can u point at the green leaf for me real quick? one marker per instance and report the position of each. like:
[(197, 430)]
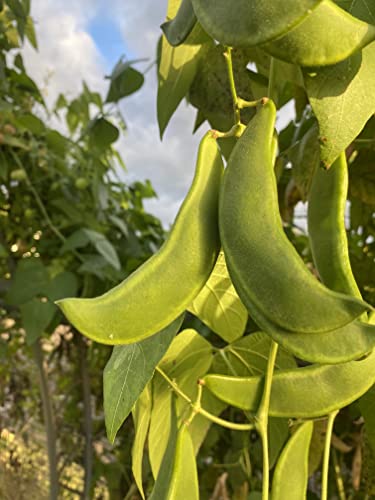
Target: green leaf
[(188, 358), (65, 284), (102, 134), (127, 373), (305, 158), (178, 29), (161, 487), (141, 417), (176, 71), (291, 473), (30, 279), (31, 123), (278, 432), (30, 32), (36, 315), (178, 476), (125, 80), (219, 306), (343, 99), (248, 356), (78, 239), (104, 247)]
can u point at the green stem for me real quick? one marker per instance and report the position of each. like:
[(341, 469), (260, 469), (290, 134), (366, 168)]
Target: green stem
[(327, 447), (271, 80), (339, 480), (48, 421), (261, 418), (198, 409), (232, 85)]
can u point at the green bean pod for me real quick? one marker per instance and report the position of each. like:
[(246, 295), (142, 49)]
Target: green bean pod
[(329, 35), (250, 22), (292, 468), (164, 286), (267, 272), (326, 226), (307, 392), (179, 28)]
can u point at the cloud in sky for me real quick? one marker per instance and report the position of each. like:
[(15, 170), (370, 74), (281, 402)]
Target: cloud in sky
[(83, 40)]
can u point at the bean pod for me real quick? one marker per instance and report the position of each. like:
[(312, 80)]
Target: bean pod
[(162, 288), (267, 272), (312, 391)]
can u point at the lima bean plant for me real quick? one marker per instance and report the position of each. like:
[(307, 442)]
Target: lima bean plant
[(316, 325)]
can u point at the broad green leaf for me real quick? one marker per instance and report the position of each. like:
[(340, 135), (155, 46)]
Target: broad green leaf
[(30, 279), (61, 286), (141, 417), (179, 28), (305, 158), (210, 91), (178, 478), (104, 247), (36, 315), (30, 32), (176, 71), (164, 478), (327, 37), (248, 356), (188, 358), (78, 239), (32, 123), (363, 9), (219, 306), (248, 23), (102, 134), (343, 99), (278, 432), (125, 80), (127, 373), (291, 473)]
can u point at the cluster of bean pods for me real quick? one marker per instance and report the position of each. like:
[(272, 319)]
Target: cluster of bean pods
[(323, 322)]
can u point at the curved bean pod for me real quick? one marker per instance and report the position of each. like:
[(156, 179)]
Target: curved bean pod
[(178, 29), (164, 286), (308, 392), (267, 272), (250, 22), (326, 216), (291, 473), (327, 37)]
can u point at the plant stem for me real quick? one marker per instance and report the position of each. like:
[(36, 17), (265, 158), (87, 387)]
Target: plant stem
[(261, 419), (232, 85), (327, 447), (339, 480), (48, 420), (271, 80), (198, 409), (87, 418)]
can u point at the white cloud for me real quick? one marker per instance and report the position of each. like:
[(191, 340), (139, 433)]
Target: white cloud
[(67, 53)]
